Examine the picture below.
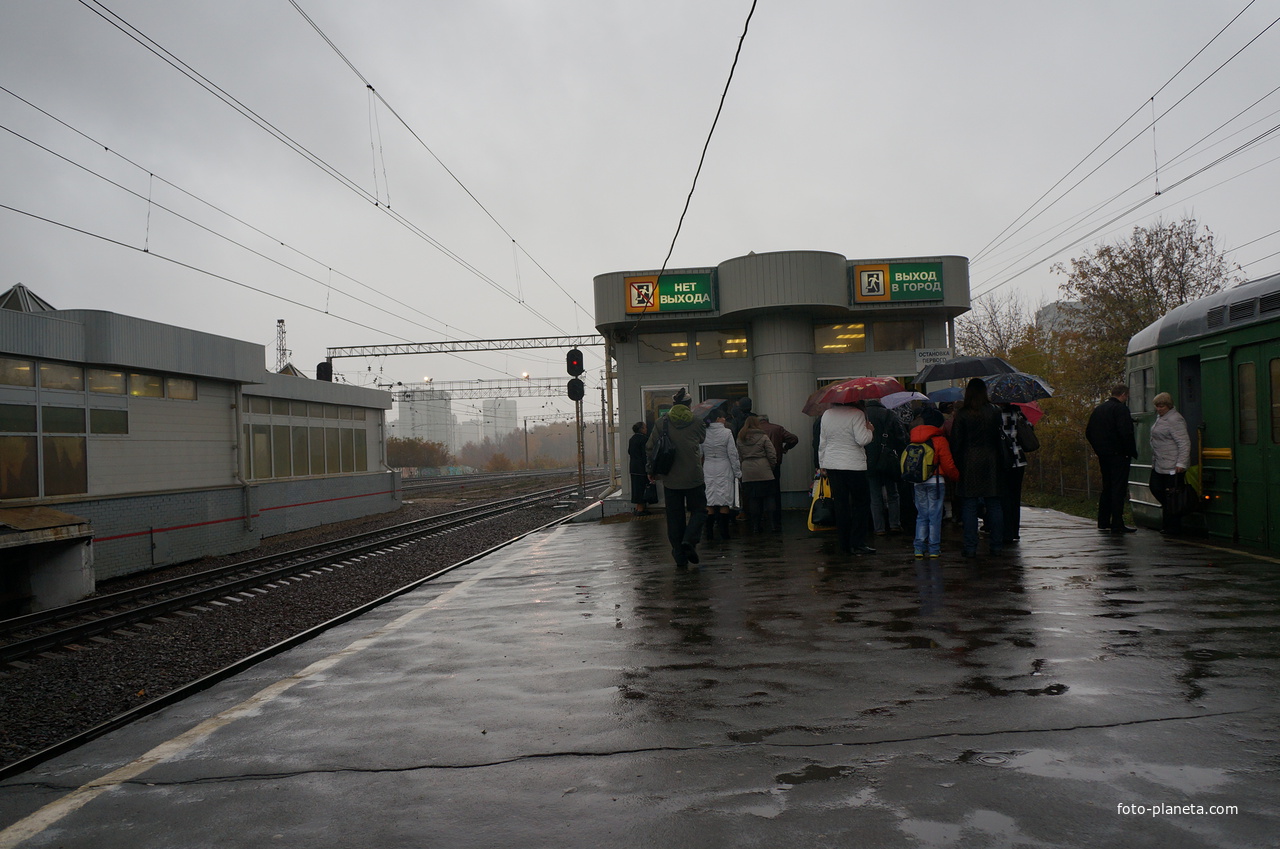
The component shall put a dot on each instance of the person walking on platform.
(843, 459)
(1110, 433)
(783, 441)
(721, 468)
(975, 444)
(758, 462)
(930, 493)
(883, 475)
(683, 485)
(639, 474)
(1170, 457)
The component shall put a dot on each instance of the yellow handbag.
(822, 510)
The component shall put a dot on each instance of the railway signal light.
(576, 389)
(573, 362)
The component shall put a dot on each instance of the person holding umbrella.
(842, 458)
(976, 436)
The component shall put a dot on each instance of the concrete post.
(782, 360)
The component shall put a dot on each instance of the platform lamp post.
(573, 365)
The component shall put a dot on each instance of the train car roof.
(1249, 303)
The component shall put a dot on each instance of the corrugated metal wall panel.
(788, 278)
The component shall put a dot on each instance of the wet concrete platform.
(577, 690)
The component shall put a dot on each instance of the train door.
(1257, 438)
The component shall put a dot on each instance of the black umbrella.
(960, 367)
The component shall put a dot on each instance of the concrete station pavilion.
(775, 327)
(127, 444)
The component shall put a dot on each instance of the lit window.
(721, 344)
(145, 385)
(840, 338)
(17, 372)
(106, 381)
(662, 347)
(59, 376)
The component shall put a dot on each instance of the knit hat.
(679, 414)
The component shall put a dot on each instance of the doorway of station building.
(730, 393)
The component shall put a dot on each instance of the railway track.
(183, 639)
(47, 630)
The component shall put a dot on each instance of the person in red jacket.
(931, 494)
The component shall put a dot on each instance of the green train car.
(1219, 357)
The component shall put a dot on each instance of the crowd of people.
(889, 471)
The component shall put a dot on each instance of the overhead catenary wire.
(1001, 237)
(1077, 220)
(225, 279)
(701, 159)
(154, 47)
(418, 138)
(1007, 233)
(1165, 191)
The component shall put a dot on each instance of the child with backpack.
(927, 463)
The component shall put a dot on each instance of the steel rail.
(234, 578)
(182, 692)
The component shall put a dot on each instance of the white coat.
(720, 465)
(844, 432)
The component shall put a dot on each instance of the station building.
(775, 327)
(126, 444)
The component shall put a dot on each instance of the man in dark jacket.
(683, 486)
(882, 465)
(1110, 433)
(783, 441)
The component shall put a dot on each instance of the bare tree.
(1123, 287)
(998, 324)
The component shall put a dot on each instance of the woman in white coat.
(721, 469)
(1170, 457)
(843, 459)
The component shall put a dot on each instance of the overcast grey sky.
(868, 129)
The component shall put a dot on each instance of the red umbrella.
(859, 389)
(1031, 410)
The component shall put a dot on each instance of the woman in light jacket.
(843, 459)
(720, 466)
(758, 457)
(1170, 456)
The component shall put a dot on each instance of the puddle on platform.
(814, 772)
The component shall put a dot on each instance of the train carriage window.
(1247, 402)
(1275, 402)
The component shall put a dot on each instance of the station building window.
(840, 339)
(57, 462)
(298, 450)
(898, 335)
(61, 376)
(17, 372)
(106, 381)
(663, 347)
(721, 344)
(180, 388)
(142, 385)
(109, 422)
